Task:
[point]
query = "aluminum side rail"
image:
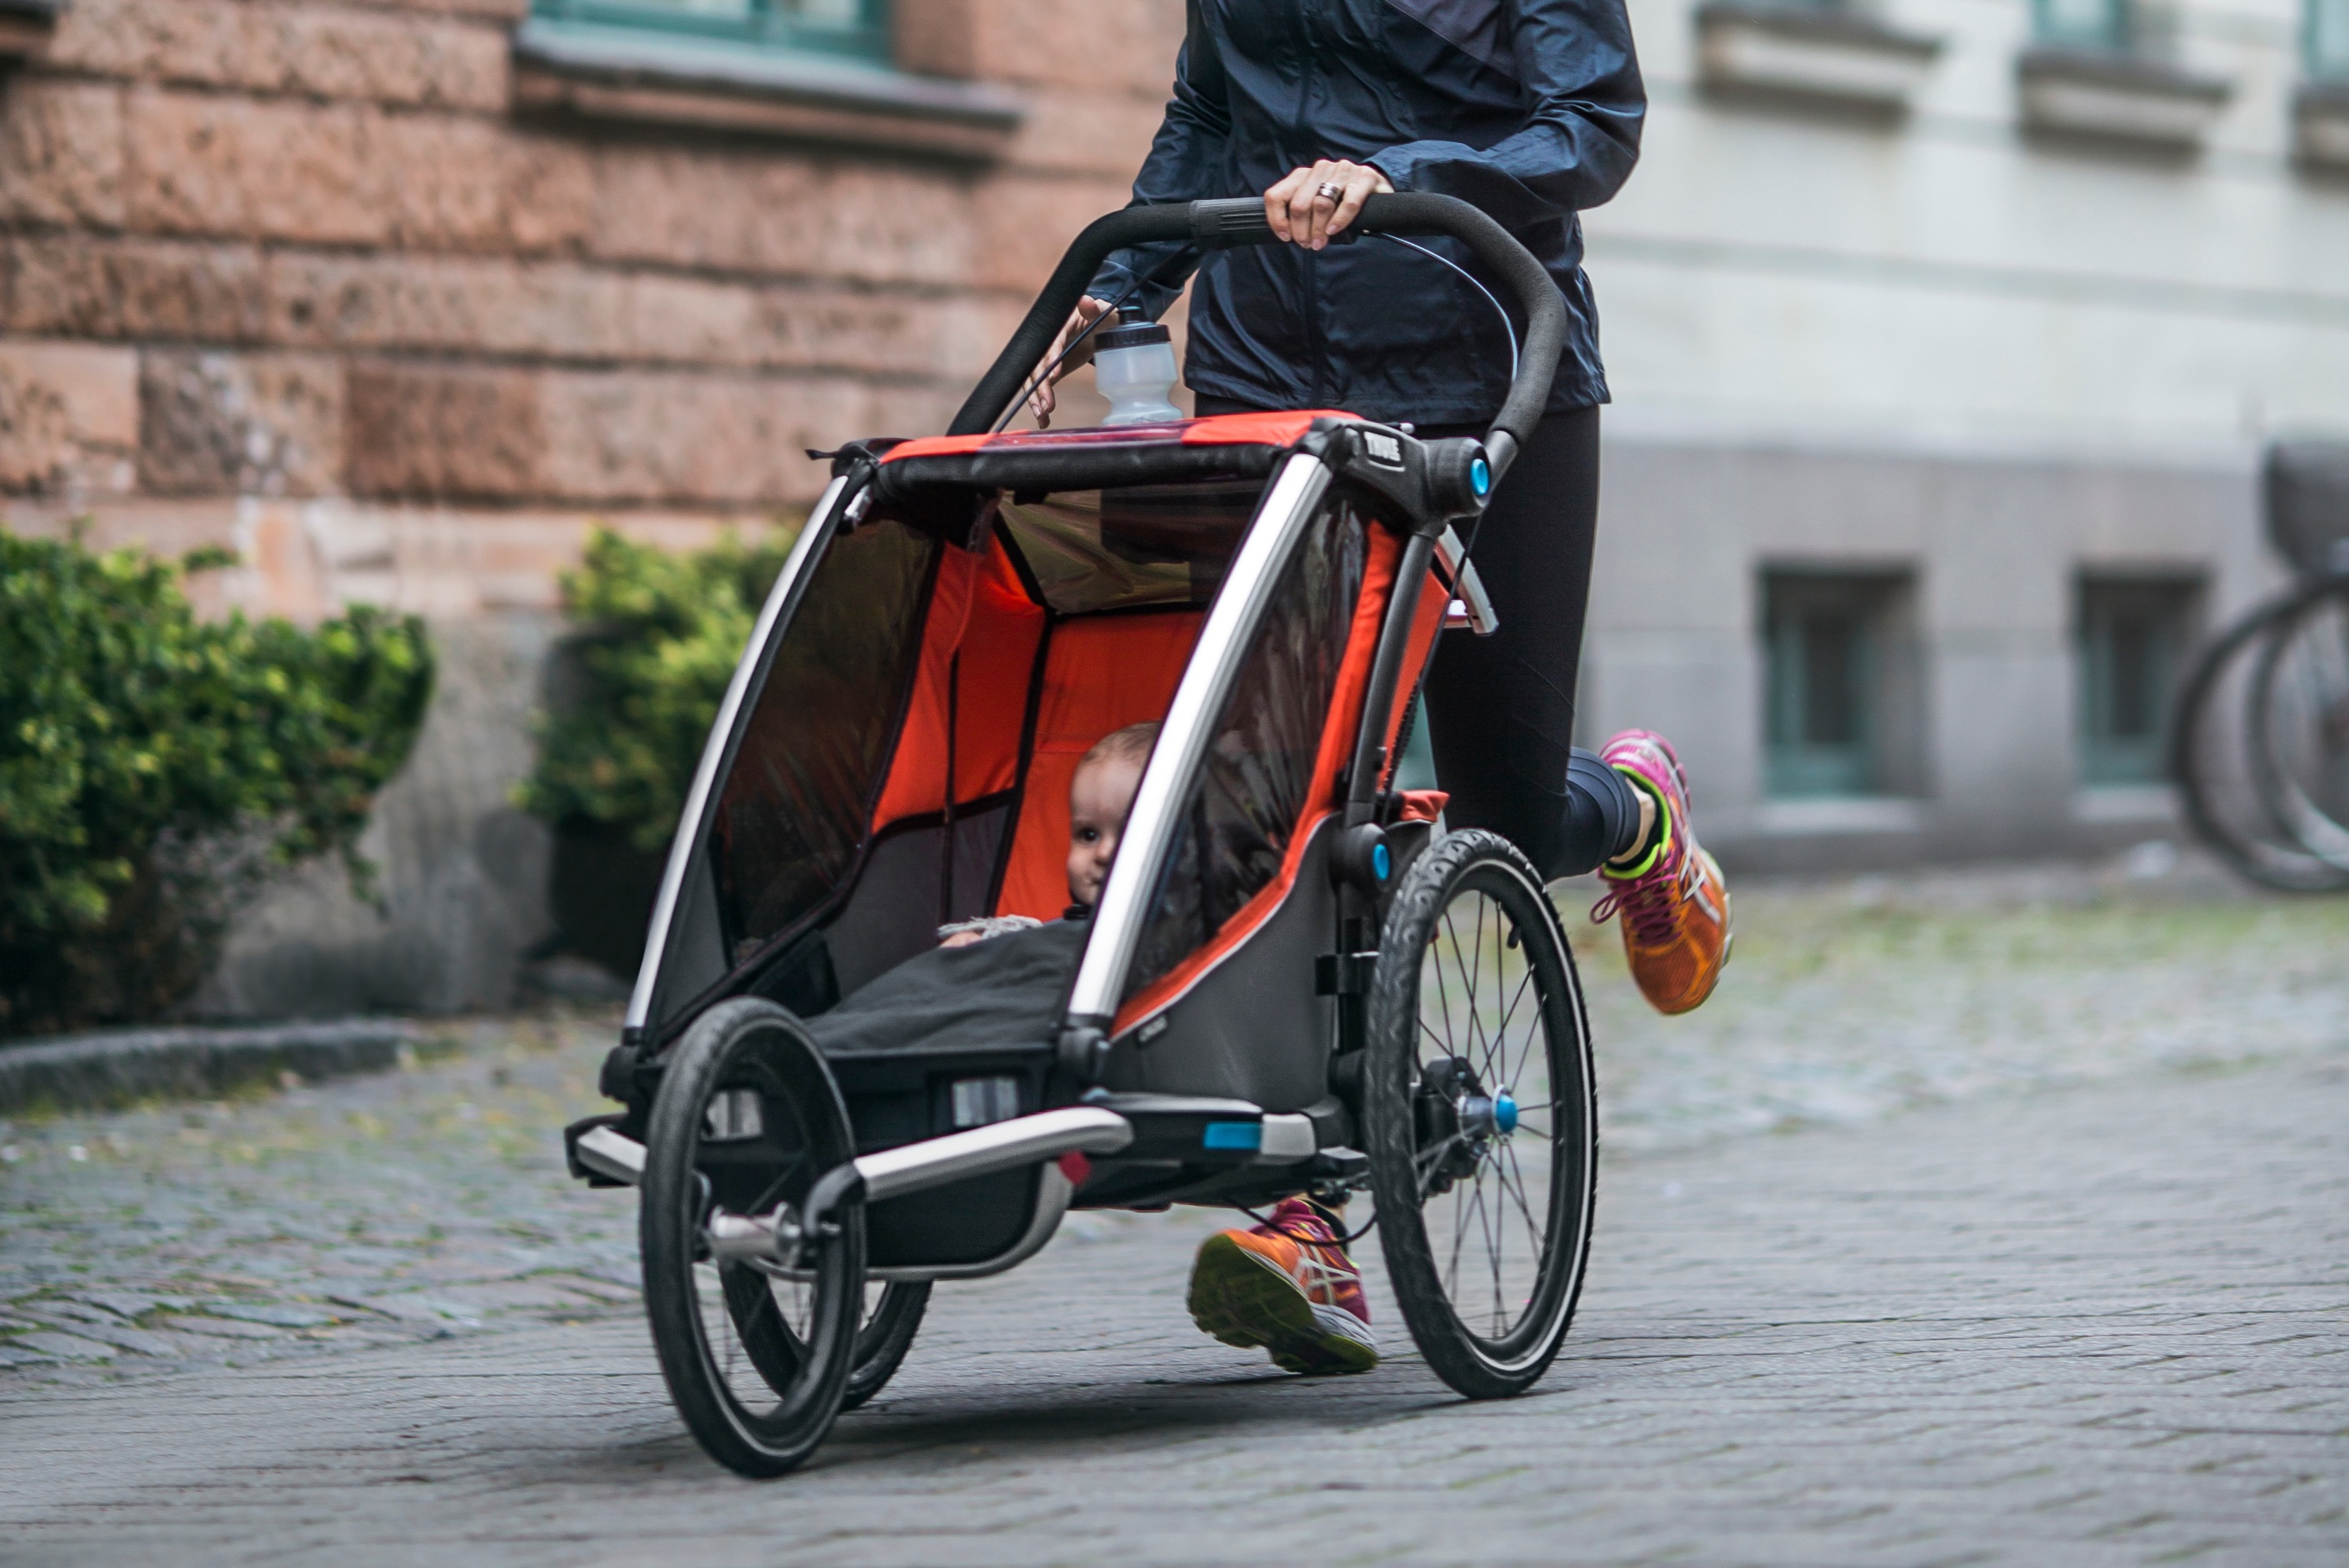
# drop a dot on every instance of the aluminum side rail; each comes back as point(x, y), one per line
point(913, 1167)
point(1183, 737)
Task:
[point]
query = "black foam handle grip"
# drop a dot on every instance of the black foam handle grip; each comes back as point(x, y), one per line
point(1240, 221)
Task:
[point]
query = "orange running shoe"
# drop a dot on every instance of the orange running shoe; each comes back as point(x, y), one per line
point(1290, 1288)
point(1673, 902)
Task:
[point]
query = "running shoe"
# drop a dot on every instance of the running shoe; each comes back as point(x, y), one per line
point(1288, 1286)
point(1673, 902)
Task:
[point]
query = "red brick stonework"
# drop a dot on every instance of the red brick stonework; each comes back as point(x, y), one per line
point(397, 311)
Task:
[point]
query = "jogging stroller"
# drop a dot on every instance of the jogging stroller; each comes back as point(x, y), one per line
point(1292, 983)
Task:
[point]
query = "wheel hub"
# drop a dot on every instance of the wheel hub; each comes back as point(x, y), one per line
point(1457, 1117)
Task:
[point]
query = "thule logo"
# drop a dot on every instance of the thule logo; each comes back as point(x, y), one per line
point(1383, 448)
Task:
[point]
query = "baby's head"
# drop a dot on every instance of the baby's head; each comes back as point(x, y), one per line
point(1099, 798)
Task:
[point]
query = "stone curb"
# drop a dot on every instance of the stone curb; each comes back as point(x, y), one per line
point(102, 1071)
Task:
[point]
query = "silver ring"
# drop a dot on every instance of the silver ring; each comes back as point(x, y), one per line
point(1330, 188)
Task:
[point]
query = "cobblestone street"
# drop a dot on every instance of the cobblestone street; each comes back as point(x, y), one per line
point(2052, 1269)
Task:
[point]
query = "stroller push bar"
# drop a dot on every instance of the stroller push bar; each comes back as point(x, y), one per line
point(1217, 225)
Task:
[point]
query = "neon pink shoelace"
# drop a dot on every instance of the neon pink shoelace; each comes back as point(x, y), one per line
point(1648, 902)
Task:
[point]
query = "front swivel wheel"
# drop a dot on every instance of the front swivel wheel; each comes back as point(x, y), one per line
point(1481, 1115)
point(757, 1352)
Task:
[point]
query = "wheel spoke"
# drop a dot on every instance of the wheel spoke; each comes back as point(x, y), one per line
point(1540, 1232)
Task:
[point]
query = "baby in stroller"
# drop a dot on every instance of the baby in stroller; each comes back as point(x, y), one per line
point(971, 987)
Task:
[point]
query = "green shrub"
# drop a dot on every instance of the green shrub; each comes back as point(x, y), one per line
point(156, 770)
point(660, 636)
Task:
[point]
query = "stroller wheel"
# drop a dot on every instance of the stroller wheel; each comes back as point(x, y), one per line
point(757, 1358)
point(1481, 1115)
point(892, 1314)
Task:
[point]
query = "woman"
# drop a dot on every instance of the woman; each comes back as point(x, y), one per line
point(1531, 110)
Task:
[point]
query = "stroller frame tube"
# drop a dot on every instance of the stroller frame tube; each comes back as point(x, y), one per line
point(1272, 538)
point(688, 842)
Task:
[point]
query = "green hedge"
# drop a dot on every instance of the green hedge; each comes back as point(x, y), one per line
point(155, 770)
point(660, 636)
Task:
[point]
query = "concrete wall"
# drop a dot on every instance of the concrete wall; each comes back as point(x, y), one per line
point(1942, 342)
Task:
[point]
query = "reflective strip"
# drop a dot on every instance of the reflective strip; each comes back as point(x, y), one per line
point(713, 752)
point(1189, 725)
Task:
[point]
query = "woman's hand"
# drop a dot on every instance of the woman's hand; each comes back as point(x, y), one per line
point(1299, 210)
point(1042, 402)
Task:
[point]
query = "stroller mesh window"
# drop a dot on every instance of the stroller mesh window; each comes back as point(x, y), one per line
point(1133, 548)
point(1253, 784)
point(796, 800)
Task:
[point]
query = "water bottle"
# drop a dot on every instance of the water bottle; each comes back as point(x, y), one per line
point(1133, 366)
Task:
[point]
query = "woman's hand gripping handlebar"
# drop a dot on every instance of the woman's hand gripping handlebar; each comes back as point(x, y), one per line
point(1308, 207)
point(1243, 221)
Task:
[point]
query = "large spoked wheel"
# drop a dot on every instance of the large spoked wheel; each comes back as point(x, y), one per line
point(1481, 1114)
point(2299, 712)
point(747, 1118)
point(2262, 725)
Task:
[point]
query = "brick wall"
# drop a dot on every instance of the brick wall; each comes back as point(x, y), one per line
point(302, 278)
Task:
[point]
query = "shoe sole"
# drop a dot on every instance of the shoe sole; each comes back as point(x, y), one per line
point(1249, 1302)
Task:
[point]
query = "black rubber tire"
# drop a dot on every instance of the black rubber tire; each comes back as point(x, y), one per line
point(1404, 1053)
point(750, 1044)
point(2319, 828)
point(887, 1334)
point(881, 1344)
point(2207, 739)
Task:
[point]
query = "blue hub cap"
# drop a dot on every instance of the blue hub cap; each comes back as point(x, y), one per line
point(1505, 1111)
point(1480, 477)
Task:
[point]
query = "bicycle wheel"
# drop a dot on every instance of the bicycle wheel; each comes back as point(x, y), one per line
point(2223, 752)
point(1481, 1115)
point(2299, 722)
point(747, 1118)
point(891, 1313)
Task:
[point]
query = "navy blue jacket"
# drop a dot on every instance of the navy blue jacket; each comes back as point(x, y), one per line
point(1530, 109)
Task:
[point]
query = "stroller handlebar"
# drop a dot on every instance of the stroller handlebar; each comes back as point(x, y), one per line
point(1217, 225)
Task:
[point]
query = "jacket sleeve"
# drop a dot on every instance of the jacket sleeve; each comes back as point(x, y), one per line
point(1582, 79)
point(1186, 163)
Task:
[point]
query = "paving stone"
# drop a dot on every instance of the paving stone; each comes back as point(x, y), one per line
point(276, 1317)
point(65, 1347)
point(221, 1327)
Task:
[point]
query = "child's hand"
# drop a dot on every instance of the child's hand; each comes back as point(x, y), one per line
point(963, 939)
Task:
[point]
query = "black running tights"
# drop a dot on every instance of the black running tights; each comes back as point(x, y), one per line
point(1500, 709)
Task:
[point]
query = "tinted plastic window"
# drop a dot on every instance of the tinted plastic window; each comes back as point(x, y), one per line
point(1254, 783)
point(1141, 547)
point(797, 801)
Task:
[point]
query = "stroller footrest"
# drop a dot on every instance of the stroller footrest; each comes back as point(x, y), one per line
point(604, 1154)
point(997, 1146)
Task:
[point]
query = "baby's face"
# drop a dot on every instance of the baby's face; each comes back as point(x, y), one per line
point(1099, 798)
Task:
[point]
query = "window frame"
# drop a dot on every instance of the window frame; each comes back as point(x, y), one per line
point(2118, 34)
point(766, 26)
point(1883, 756)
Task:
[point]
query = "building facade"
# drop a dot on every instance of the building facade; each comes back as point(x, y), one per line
point(1943, 337)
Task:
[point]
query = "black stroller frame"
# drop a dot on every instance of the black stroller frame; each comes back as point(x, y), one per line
point(1292, 982)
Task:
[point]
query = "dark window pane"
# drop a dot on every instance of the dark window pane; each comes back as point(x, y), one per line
point(1253, 784)
point(2131, 638)
point(1830, 681)
point(1821, 655)
point(793, 809)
